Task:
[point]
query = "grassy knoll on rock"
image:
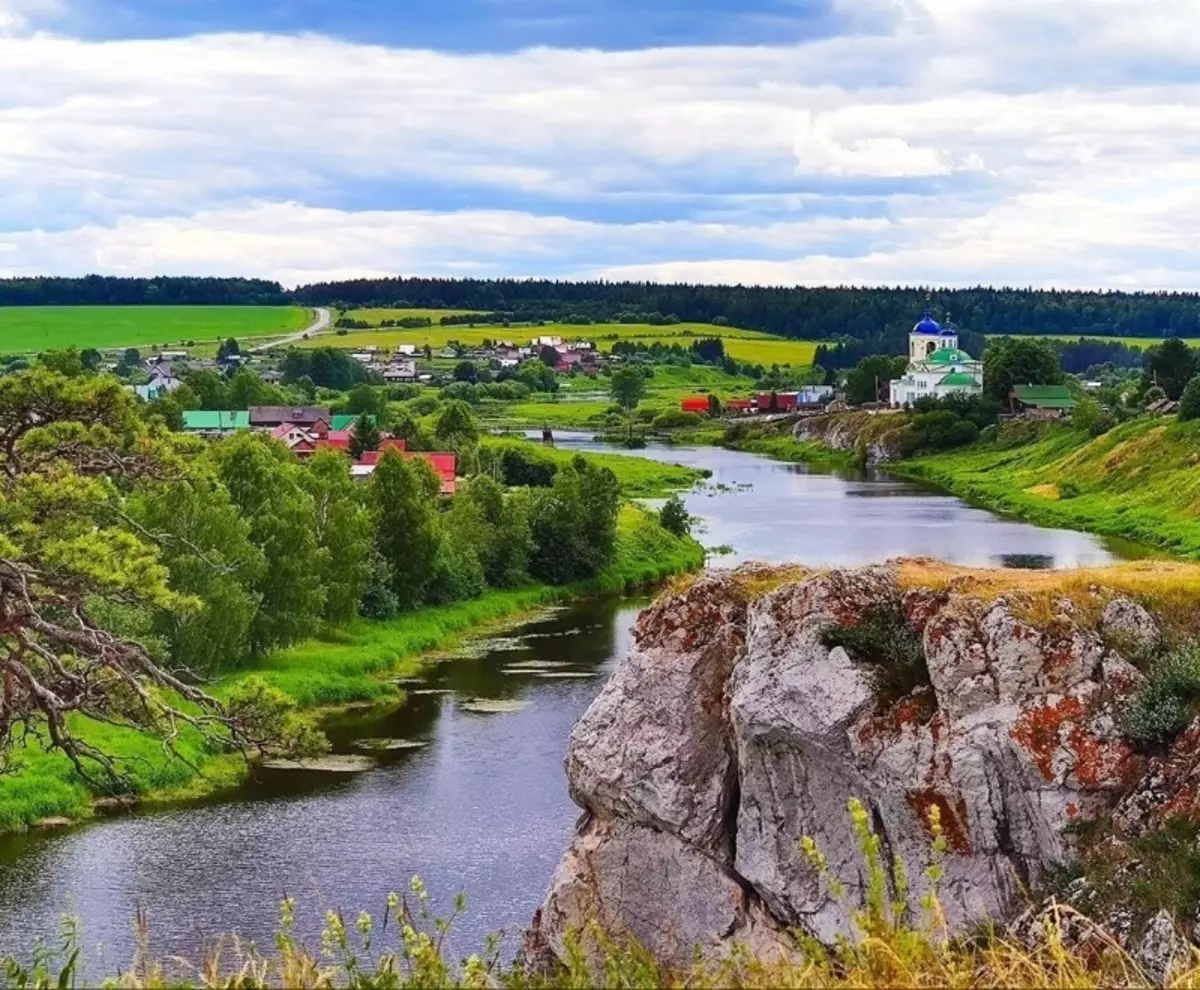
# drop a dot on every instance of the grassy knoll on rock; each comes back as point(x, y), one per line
point(354, 663)
point(39, 328)
point(1140, 480)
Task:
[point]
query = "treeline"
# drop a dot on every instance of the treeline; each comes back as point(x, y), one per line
point(106, 290)
point(261, 550)
point(815, 314)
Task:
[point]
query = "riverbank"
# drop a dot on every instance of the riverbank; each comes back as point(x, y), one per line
point(1139, 481)
point(358, 663)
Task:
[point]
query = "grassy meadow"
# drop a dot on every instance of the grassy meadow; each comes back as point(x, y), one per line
point(38, 328)
point(1140, 342)
point(745, 345)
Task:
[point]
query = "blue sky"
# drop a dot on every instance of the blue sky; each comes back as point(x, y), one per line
point(1021, 142)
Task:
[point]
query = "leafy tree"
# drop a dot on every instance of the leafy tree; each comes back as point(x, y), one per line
point(456, 426)
point(1170, 366)
point(1091, 417)
point(211, 390)
point(246, 389)
point(67, 362)
point(131, 357)
point(1012, 361)
point(70, 554)
point(627, 388)
point(403, 497)
point(496, 526)
point(412, 432)
point(265, 484)
point(548, 355)
point(574, 523)
point(870, 379)
point(674, 517)
point(465, 371)
point(90, 358)
point(365, 436)
point(344, 533)
point(1189, 403)
point(366, 399)
point(229, 348)
point(206, 547)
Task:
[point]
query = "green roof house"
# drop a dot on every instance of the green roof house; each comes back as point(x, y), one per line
point(1044, 401)
point(343, 421)
point(214, 421)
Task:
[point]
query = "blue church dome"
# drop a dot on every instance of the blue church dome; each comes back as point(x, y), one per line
point(949, 332)
point(928, 325)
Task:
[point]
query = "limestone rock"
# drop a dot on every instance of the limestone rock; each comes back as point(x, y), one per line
point(1161, 949)
point(731, 732)
point(1131, 622)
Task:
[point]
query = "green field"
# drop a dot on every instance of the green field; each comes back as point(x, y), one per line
point(745, 345)
point(1127, 341)
point(377, 316)
point(38, 328)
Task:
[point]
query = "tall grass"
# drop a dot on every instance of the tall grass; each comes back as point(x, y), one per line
point(351, 664)
point(896, 944)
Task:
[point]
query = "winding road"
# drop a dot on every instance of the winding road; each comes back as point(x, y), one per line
point(319, 325)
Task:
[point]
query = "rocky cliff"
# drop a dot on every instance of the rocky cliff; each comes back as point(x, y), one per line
point(734, 729)
point(875, 438)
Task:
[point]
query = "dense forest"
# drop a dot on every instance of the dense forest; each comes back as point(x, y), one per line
point(882, 314)
point(107, 290)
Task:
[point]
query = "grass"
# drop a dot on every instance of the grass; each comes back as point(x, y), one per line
point(1127, 341)
point(351, 664)
point(1139, 481)
point(38, 328)
point(640, 477)
point(377, 316)
point(745, 345)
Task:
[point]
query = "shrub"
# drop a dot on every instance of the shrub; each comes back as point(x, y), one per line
point(883, 638)
point(1189, 402)
point(1068, 490)
point(1166, 704)
point(1093, 418)
point(673, 418)
point(674, 517)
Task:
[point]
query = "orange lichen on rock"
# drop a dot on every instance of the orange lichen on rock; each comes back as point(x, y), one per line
point(953, 817)
point(1038, 731)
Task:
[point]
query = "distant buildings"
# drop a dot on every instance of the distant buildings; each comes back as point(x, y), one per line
point(936, 366)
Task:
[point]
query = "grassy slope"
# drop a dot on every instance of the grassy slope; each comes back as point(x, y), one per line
point(351, 664)
point(36, 328)
point(1127, 341)
point(1140, 481)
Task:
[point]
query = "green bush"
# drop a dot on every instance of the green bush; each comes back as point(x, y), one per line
point(674, 517)
point(671, 419)
point(883, 638)
point(1167, 703)
point(1093, 418)
point(1068, 489)
point(1189, 402)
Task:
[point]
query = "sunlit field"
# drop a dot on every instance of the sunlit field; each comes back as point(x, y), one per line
point(37, 328)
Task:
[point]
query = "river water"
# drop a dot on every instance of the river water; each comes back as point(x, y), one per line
point(482, 808)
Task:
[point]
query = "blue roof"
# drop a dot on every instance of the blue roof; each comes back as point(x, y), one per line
point(928, 325)
point(949, 332)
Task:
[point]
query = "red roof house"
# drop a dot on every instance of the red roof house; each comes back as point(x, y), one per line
point(695, 403)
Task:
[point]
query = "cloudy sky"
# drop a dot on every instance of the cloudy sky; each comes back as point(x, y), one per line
point(1019, 142)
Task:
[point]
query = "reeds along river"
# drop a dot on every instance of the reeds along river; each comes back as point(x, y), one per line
point(481, 807)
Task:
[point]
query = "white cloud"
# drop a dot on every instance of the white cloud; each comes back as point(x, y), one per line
point(957, 140)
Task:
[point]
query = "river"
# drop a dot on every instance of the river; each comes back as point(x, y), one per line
point(482, 808)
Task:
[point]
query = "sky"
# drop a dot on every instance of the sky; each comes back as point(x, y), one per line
point(1046, 143)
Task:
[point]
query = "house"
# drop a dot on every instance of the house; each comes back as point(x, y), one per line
point(445, 465)
point(162, 382)
point(166, 356)
point(407, 350)
point(741, 407)
point(547, 341)
point(1041, 401)
point(777, 401)
point(345, 421)
point(271, 377)
point(1163, 407)
point(695, 404)
point(364, 357)
point(936, 367)
point(315, 418)
point(400, 371)
point(215, 423)
point(297, 439)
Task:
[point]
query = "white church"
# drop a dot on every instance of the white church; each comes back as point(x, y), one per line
point(936, 366)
